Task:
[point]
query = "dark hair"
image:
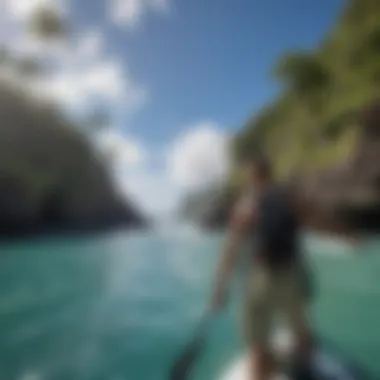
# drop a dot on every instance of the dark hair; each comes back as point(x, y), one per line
point(371, 113)
point(262, 165)
point(369, 118)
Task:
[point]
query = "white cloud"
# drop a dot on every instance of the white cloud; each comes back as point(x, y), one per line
point(91, 44)
point(23, 45)
point(124, 151)
point(84, 73)
point(24, 9)
point(153, 191)
point(130, 12)
point(199, 157)
point(105, 80)
point(195, 159)
point(134, 178)
point(81, 73)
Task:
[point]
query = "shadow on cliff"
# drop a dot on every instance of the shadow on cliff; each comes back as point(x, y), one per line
point(51, 178)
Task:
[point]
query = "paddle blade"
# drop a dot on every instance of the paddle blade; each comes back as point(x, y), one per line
point(183, 366)
point(185, 363)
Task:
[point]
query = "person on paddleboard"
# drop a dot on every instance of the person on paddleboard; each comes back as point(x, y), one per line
point(279, 282)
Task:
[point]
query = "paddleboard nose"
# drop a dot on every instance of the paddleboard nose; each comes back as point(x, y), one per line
point(323, 366)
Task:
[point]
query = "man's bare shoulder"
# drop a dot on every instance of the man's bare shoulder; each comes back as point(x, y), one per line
point(243, 209)
point(245, 202)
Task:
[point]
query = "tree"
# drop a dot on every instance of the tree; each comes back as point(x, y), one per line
point(304, 74)
point(24, 67)
point(46, 23)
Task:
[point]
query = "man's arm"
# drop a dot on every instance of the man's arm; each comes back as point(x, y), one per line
point(238, 226)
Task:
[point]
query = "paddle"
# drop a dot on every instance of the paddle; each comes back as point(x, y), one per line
point(183, 366)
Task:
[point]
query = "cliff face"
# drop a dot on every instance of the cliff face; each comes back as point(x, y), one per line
point(344, 196)
point(315, 130)
point(50, 177)
point(349, 194)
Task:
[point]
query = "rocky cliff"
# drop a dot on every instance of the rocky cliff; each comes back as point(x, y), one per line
point(50, 176)
point(348, 194)
point(321, 132)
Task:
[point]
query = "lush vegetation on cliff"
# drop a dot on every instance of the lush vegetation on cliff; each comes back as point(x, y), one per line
point(311, 125)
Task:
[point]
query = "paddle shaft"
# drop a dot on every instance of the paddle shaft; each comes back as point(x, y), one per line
point(183, 366)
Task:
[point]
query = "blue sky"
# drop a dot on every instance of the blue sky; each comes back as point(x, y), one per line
point(176, 75)
point(212, 59)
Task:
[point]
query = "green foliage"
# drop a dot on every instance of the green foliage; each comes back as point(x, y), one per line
point(47, 23)
point(24, 67)
point(311, 124)
point(303, 73)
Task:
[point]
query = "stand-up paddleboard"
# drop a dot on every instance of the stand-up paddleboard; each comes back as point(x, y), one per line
point(324, 365)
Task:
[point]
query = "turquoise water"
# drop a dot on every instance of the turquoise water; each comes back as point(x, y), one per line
point(120, 306)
